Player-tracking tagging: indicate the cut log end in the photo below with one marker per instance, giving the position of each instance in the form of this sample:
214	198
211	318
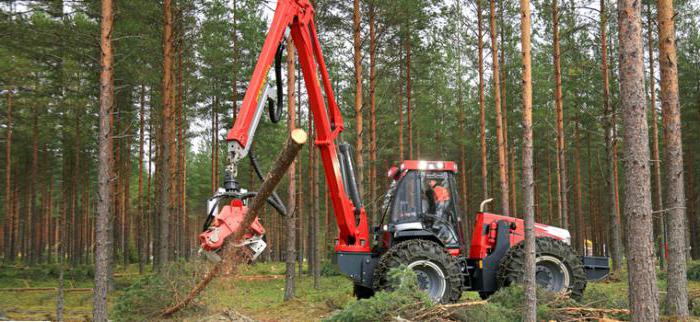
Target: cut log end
299	136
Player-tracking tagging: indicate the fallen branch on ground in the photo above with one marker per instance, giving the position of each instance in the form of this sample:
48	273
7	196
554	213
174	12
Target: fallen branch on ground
592	310
443	310
230	253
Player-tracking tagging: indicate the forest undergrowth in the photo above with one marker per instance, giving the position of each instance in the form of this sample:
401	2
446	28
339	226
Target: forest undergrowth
257	292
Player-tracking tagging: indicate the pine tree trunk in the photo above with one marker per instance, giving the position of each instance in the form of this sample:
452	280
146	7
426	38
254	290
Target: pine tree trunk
677	296
105	171
550	204
561	145
167	156
409	118
640	260
141	214
482	105
503	174
578	195
530	309
510	175
10	237
656	160
357	55
290	220
31	254
614	238
401	134
372	115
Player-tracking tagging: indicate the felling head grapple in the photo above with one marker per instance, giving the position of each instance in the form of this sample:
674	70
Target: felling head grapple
421	225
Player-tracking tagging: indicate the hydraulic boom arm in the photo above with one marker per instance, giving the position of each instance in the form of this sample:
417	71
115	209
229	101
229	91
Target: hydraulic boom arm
296	17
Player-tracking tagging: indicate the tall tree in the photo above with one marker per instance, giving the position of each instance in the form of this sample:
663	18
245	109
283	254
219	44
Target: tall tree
290	220
357	55
103	247
167	157
409	116
656	160
9	217
482	105
640	244
372	111
530	310
615	240
559	103
503	174
677	296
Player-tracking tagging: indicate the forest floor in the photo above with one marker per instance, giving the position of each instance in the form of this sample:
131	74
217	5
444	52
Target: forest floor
27	293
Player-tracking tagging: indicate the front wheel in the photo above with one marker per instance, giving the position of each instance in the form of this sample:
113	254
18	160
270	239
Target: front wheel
436	270
557	268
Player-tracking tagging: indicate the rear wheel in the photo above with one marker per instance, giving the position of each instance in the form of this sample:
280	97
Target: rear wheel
437	272
557	268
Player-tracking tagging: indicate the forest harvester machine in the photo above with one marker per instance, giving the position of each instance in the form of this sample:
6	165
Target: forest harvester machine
421	224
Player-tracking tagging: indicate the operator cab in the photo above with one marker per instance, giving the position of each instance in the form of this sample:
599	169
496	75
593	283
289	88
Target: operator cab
422	203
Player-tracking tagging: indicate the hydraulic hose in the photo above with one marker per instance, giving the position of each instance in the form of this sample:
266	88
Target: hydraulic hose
276	111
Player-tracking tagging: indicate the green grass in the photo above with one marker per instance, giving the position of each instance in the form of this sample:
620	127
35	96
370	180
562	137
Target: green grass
259	299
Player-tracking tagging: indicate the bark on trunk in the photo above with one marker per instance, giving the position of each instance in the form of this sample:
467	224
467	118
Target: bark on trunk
105	193
140	218
372	114
9	218
530	310
640	260
561	145
656	160
167	159
677	296
357	53
482	105
290	220
503	174
409	118
614	238
578	196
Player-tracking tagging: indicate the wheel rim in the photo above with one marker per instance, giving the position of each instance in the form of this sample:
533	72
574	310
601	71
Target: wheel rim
551	274
430	277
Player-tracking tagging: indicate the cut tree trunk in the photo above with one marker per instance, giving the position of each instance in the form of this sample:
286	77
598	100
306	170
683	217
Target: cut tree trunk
643	294
230	252
677	296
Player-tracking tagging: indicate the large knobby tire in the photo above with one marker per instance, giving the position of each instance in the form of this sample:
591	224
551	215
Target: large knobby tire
558	269
437	271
